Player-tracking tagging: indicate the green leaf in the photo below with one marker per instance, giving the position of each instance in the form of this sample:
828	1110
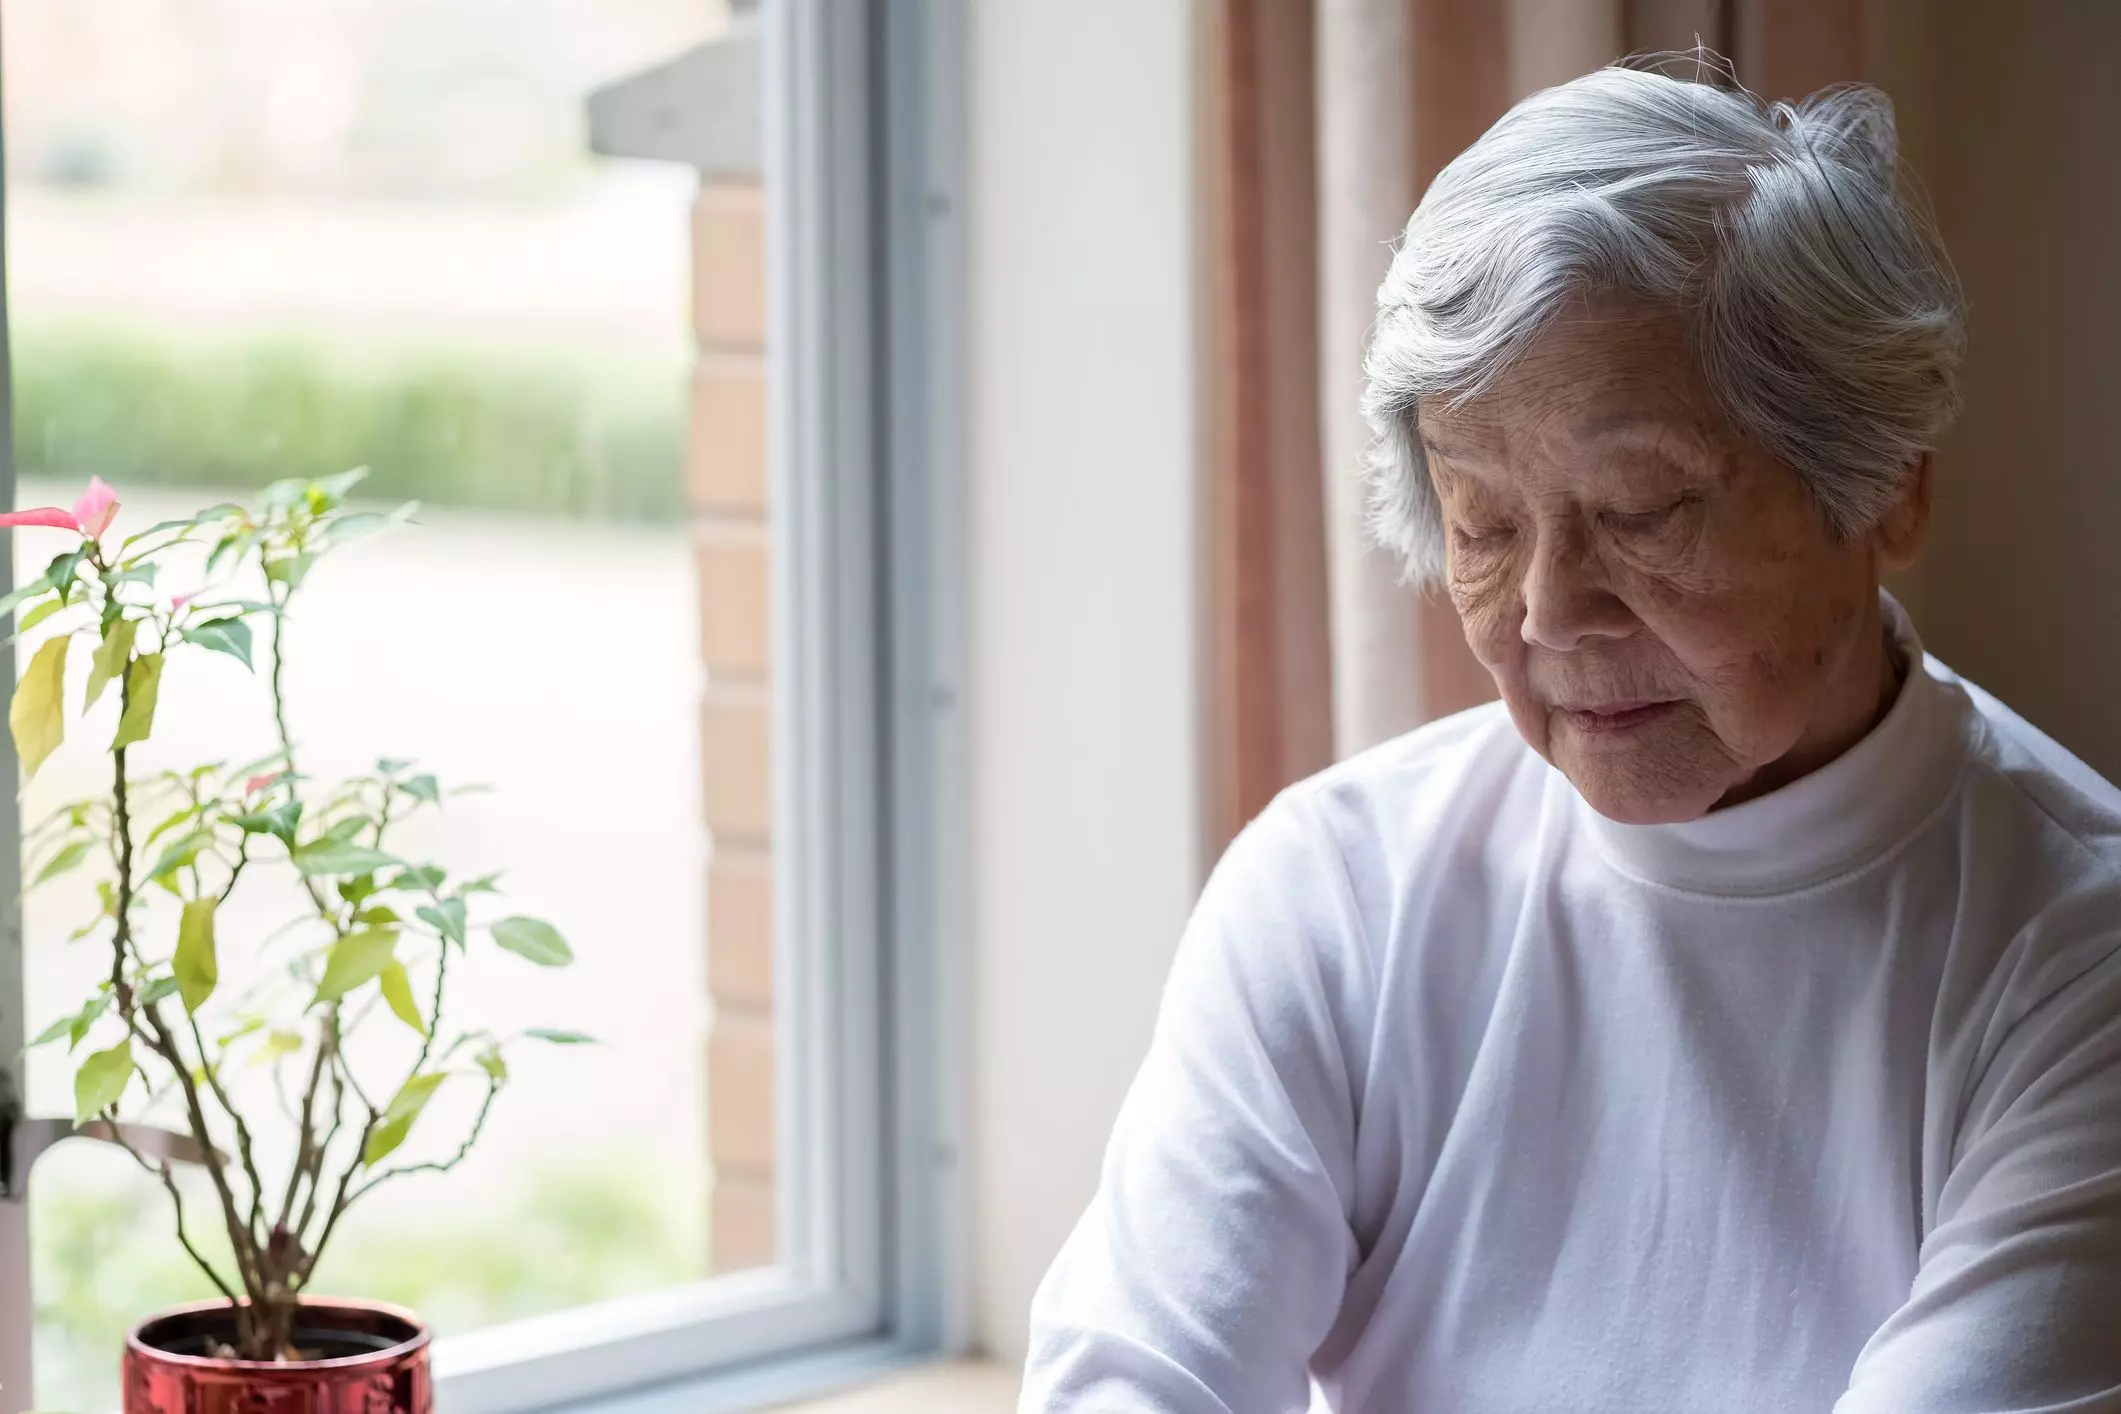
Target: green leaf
377	914
446	919
344	830
422	878
290	570
330	856
37	716
490	1061
112	654
109	898
282	494
277	1045
75	1025
397	991
230	636
158	989
533	939
423	788
185	851
159	527
336	487
247	1025
352	527
59	574
40	585
484	884
91	1012
102	1080
236	544
560	1038
278	820
355	960
135	574
391	765
38	615
405	1107
195	965
187	813
64	860
143	683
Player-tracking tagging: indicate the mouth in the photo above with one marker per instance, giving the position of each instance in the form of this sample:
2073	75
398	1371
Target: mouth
1614	717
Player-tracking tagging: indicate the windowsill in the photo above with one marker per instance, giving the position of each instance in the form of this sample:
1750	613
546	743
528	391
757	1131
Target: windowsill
861	1377
960	1387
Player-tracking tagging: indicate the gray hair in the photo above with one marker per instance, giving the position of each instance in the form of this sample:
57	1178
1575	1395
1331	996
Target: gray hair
1824	312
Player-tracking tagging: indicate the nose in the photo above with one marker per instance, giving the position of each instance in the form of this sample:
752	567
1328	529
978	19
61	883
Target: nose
1567	597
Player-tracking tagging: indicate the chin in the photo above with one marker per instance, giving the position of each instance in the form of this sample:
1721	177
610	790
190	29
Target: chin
1646	797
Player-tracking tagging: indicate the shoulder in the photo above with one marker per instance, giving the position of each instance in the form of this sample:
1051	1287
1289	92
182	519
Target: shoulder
1359	837
2023	776
1436	791
2039	896
1290	932
1414	776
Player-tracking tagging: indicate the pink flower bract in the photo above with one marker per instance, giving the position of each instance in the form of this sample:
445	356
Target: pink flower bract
91	515
260	782
97	507
58	517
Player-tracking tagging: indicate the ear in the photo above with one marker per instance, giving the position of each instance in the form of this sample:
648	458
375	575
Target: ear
1898	536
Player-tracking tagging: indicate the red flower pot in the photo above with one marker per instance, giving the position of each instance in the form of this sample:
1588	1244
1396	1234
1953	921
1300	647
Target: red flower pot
372	1359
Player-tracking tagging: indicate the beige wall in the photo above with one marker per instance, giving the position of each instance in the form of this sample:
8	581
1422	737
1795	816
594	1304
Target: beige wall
1085	817
2011	115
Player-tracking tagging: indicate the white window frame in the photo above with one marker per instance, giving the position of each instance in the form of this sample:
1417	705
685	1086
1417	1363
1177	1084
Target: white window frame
863	128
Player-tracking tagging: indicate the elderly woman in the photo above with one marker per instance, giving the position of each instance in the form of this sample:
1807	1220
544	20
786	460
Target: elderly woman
1730	1018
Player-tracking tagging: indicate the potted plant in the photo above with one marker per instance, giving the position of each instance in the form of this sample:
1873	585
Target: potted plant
183	1021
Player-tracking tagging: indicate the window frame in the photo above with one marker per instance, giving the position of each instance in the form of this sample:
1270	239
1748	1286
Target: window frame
863	130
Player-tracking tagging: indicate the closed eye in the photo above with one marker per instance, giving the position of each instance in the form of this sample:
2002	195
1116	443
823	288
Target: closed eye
1654	519
1481	536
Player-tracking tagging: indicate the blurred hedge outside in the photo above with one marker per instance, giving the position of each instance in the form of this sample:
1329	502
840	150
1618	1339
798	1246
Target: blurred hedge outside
558	430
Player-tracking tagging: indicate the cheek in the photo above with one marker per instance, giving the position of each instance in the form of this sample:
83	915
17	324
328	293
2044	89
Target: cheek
1484	592
1758	652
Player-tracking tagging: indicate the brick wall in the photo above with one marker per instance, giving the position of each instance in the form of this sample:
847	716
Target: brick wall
726	488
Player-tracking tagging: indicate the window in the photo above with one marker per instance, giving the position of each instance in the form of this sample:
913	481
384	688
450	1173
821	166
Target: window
715	705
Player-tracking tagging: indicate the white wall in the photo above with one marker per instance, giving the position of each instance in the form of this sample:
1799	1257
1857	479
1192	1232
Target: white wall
1085	811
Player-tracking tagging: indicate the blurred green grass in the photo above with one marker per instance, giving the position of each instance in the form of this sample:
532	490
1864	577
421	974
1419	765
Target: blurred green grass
544	429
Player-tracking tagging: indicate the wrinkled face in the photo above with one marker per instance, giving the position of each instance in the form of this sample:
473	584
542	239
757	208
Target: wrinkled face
1669	617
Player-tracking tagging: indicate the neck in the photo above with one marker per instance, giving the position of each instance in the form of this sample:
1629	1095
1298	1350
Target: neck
1862	693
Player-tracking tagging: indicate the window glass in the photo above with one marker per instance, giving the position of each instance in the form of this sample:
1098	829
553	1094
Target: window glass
251	241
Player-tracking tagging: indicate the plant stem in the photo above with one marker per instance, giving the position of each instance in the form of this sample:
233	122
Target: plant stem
243	1144
248	1257
340	1201
176	1199
493	1088
161	1041
322	1153
306	1135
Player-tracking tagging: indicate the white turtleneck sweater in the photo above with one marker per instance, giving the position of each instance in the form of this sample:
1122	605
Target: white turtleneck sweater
1467	1100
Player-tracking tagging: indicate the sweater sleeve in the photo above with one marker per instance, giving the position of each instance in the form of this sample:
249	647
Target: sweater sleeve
2016	1303
1212	1260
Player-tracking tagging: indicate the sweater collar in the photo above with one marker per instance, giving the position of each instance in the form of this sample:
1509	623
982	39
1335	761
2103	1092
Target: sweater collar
1823	825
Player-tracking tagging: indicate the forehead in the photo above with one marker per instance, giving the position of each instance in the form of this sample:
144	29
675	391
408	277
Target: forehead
1601	380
